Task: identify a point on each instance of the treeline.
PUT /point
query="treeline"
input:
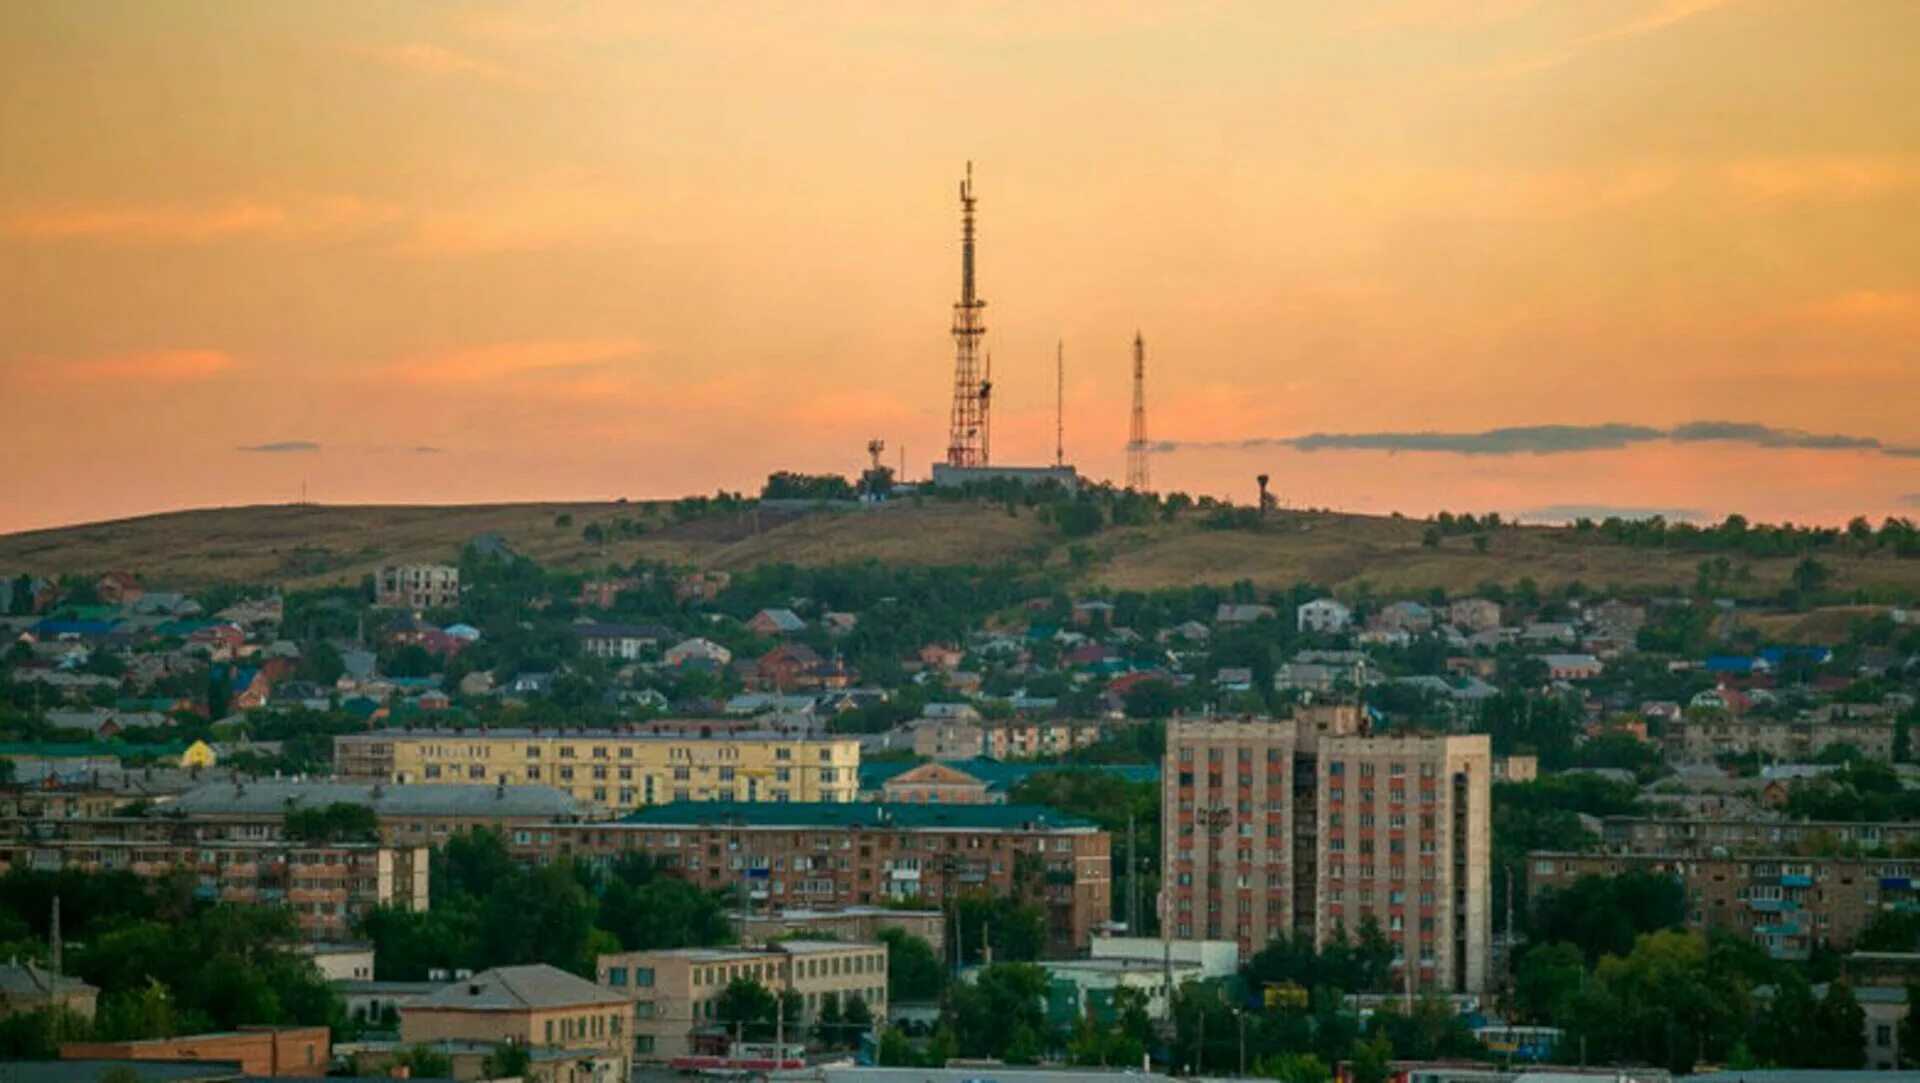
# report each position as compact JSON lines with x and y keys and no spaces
{"x":1735,"y":534}
{"x":165,"y":963}
{"x":1609,"y":963}
{"x":490,"y":910}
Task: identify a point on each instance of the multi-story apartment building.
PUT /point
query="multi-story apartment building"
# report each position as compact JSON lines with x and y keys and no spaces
{"x":574,"y":1031}
{"x":1699,"y":736}
{"x":613,"y":768}
{"x":1786,"y":903}
{"x":1643,"y":835}
{"x":675,"y":991}
{"x":841,"y":855}
{"x":864,"y":923}
{"x":1309,"y":826}
{"x":417,"y":814}
{"x":328,"y":886}
{"x":417,"y":586}
{"x":960,"y":739}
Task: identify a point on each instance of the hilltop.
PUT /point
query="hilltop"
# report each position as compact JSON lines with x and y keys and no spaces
{"x":307,"y":545}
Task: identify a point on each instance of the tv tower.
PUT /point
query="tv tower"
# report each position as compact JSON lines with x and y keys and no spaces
{"x":1137,"y":479}
{"x":967,"y":435}
{"x":1060,"y":403}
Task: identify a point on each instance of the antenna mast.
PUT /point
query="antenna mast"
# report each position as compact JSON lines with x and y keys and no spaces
{"x":986,"y":413}
{"x":1060,"y":404}
{"x":1137,"y":475}
{"x":966,"y":438}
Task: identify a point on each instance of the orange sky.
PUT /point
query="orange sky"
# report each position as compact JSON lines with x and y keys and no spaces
{"x":431,"y":252}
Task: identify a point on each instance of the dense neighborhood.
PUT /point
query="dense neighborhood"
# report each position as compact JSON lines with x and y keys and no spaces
{"x":488,"y":819}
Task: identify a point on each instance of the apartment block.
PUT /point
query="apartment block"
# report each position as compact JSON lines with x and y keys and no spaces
{"x":417,"y":586}
{"x":1700,"y":736}
{"x":862,"y":923}
{"x":329,"y":887}
{"x":1309,"y":825}
{"x":674,"y":992}
{"x":1697,"y":837}
{"x":615,"y":769}
{"x":834,"y":855}
{"x":1786,"y":903}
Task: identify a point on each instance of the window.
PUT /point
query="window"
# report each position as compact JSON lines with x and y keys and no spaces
{"x":616,"y":975}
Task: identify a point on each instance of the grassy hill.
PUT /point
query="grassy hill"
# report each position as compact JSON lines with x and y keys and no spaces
{"x":306,"y":545}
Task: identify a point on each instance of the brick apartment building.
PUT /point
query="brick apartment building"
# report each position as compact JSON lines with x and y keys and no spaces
{"x":842,"y":855}
{"x":1309,"y":826}
{"x":1787,"y":904}
{"x":417,"y":586}
{"x":1691,"y":837}
{"x":675,"y":991}
{"x":616,"y":769}
{"x":329,"y":887}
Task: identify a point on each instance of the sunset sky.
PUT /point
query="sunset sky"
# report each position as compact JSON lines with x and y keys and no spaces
{"x":433,"y":252}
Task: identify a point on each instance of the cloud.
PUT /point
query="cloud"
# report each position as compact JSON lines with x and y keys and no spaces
{"x":1659,"y":15}
{"x":426,"y":449}
{"x":1911,"y":500}
{"x":428,"y":59}
{"x":1557,"y":440}
{"x":507,"y":360}
{"x":1566,"y":513}
{"x":281,"y":447}
{"x":146,"y":367}
{"x":292,"y":218}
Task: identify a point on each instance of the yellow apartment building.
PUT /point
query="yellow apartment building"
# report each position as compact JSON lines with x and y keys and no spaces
{"x":614,"y":769}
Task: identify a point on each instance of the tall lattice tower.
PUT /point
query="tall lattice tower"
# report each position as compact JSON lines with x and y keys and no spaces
{"x":967,"y":433}
{"x":1137,"y":475}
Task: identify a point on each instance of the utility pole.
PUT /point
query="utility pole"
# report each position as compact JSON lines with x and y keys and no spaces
{"x":1133,"y":877}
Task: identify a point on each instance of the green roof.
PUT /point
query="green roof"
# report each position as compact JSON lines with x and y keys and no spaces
{"x":1000,"y":775}
{"x":851,"y":815}
{"x":67,"y":750}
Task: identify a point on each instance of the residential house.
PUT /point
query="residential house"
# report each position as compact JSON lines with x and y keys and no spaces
{"x":1473,"y":615}
{"x":1410,"y":618}
{"x":626,"y":642}
{"x":417,"y":586}
{"x":702,"y":586}
{"x":29,"y":987}
{"x":941,"y":656}
{"x":1572,"y":667}
{"x":602,"y":593}
{"x":1324,"y":616}
{"x":776,"y":622}
{"x":1241,"y":613}
{"x":698,"y":653}
{"x":584,"y":1030}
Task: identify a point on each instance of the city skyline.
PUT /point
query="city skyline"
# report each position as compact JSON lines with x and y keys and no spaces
{"x":1545,"y":259}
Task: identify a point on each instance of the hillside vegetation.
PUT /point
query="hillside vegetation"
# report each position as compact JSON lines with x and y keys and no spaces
{"x":310,"y":545}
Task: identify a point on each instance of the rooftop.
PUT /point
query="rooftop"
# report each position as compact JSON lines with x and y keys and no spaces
{"x":517,"y":988}
{"x":273,"y":797}
{"x":871,"y":816}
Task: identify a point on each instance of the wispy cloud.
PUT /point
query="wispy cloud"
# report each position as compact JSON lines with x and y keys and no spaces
{"x":430,"y":59}
{"x":144,"y":367}
{"x":426,"y":449}
{"x":277,"y":447}
{"x":291,"y":218}
{"x":497,"y":361}
{"x":1558,"y":440}
{"x":1658,"y":16}
{"x":1567,"y":513}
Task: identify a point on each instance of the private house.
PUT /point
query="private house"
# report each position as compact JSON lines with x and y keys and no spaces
{"x":776,"y":622}
{"x":698,"y":653}
{"x":578,"y":1032}
{"x":417,"y":586}
{"x":1324,"y":616}
{"x":29,"y":987}
{"x":1572,"y":667}
{"x":625,"y":642}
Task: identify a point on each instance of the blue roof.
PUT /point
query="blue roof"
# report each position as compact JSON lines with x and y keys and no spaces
{"x":1729,"y":663}
{"x":1779,"y":655}
{"x":74,"y":628}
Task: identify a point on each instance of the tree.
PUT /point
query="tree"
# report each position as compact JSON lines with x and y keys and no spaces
{"x":1603,"y":915}
{"x":989,"y":1013}
{"x":914,"y":972}
{"x":1294,"y":1068}
{"x":1841,"y":1026}
{"x":1372,"y":1060}
{"x":1810,"y":576}
{"x":424,"y":1062}
{"x":1547,"y":981}
{"x":747,"y":1009}
{"x":340,"y":821}
{"x":509,"y":1060}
